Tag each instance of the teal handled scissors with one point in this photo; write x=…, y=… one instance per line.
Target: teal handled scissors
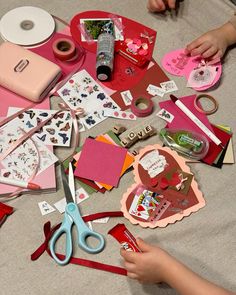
x=72, y=216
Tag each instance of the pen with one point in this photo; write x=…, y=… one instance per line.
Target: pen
x=19, y=183
x=195, y=120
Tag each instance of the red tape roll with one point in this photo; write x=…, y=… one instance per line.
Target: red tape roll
x=141, y=106
x=64, y=49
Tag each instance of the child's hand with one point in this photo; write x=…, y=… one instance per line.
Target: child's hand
x=160, y=5
x=149, y=266
x=212, y=44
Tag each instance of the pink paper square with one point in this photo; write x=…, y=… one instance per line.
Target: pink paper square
x=101, y=162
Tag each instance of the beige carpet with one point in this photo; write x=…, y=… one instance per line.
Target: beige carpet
x=205, y=241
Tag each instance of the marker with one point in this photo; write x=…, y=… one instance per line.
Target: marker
x=19, y=183
x=195, y=120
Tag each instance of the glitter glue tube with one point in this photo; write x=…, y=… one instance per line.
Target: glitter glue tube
x=124, y=237
x=105, y=56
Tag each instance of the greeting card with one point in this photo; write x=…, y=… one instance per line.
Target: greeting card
x=201, y=74
x=164, y=191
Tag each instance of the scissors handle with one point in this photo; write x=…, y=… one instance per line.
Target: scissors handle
x=84, y=231
x=65, y=228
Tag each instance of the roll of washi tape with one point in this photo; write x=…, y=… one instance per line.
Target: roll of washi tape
x=141, y=106
x=199, y=107
x=64, y=49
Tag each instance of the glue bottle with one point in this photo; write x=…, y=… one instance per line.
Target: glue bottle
x=105, y=56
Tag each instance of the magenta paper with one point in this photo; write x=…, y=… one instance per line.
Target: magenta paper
x=101, y=162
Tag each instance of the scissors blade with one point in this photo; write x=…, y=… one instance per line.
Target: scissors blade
x=68, y=195
x=71, y=181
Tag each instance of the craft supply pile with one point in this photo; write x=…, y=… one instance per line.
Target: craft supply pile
x=101, y=67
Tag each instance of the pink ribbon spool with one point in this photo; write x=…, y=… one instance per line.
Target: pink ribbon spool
x=64, y=49
x=141, y=107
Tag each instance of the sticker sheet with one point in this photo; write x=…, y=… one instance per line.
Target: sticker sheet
x=81, y=91
x=22, y=162
x=56, y=132
x=8, y=134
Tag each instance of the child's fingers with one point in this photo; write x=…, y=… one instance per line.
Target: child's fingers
x=156, y=5
x=128, y=255
x=171, y=4
x=130, y=267
x=218, y=54
x=201, y=49
x=161, y=5
x=210, y=52
x=144, y=247
x=196, y=43
x=132, y=275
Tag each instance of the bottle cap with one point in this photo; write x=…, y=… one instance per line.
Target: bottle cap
x=103, y=73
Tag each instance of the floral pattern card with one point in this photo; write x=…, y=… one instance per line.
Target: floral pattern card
x=55, y=132
x=23, y=161
x=84, y=92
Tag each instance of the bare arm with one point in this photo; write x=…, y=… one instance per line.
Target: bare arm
x=213, y=44
x=154, y=265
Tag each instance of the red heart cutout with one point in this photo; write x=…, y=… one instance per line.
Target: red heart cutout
x=154, y=182
x=140, y=208
x=164, y=183
x=175, y=179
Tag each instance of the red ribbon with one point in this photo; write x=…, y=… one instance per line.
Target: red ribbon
x=48, y=232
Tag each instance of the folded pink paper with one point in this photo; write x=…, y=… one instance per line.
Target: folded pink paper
x=101, y=162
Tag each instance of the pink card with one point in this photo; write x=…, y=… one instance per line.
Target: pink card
x=101, y=162
x=179, y=64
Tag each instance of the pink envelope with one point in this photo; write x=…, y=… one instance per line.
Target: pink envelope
x=101, y=162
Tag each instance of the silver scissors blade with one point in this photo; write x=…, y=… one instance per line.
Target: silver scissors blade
x=68, y=195
x=71, y=181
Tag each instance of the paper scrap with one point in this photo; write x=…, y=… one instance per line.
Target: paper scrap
x=155, y=90
x=127, y=97
x=45, y=208
x=80, y=195
x=101, y=220
x=169, y=86
x=165, y=115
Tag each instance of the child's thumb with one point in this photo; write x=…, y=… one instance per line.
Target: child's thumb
x=144, y=247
